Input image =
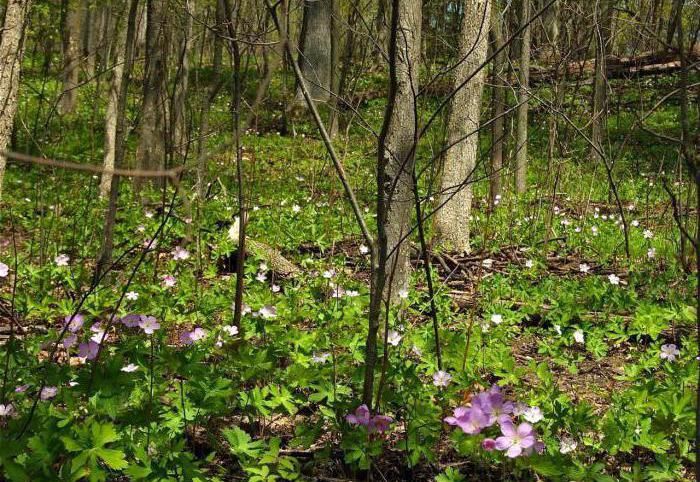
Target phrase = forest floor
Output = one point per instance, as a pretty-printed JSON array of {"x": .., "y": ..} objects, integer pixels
[{"x": 562, "y": 319}]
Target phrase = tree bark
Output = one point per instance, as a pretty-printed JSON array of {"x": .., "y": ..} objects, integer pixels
[
  {"x": 523, "y": 99},
  {"x": 397, "y": 147},
  {"x": 11, "y": 53},
  {"x": 150, "y": 153},
  {"x": 396, "y": 153},
  {"x": 600, "y": 97},
  {"x": 452, "y": 220},
  {"x": 72, "y": 48},
  {"x": 498, "y": 100},
  {"x": 315, "y": 49},
  {"x": 119, "y": 143},
  {"x": 179, "y": 119},
  {"x": 112, "y": 111}
]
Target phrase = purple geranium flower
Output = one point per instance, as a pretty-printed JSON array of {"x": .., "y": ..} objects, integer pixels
[
  {"x": 470, "y": 420},
  {"x": 48, "y": 393},
  {"x": 491, "y": 403},
  {"x": 515, "y": 439},
  {"x": 89, "y": 350},
  {"x": 6, "y": 410},
  {"x": 488, "y": 444},
  {"x": 131, "y": 321},
  {"x": 189, "y": 337},
  {"x": 360, "y": 417},
  {"x": 74, "y": 322},
  {"x": 378, "y": 423},
  {"x": 669, "y": 352},
  {"x": 148, "y": 324},
  {"x": 70, "y": 340}
]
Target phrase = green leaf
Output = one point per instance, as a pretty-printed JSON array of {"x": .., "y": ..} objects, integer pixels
[
  {"x": 115, "y": 459},
  {"x": 71, "y": 445}
]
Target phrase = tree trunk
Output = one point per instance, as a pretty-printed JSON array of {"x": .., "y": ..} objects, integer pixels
[
  {"x": 72, "y": 48},
  {"x": 119, "y": 143},
  {"x": 498, "y": 100},
  {"x": 112, "y": 111},
  {"x": 179, "y": 120},
  {"x": 397, "y": 148},
  {"x": 452, "y": 219},
  {"x": 11, "y": 53},
  {"x": 315, "y": 49},
  {"x": 396, "y": 152},
  {"x": 381, "y": 28},
  {"x": 150, "y": 153},
  {"x": 600, "y": 97},
  {"x": 523, "y": 99}
]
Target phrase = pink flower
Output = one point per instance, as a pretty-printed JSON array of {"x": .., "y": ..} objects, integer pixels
[
  {"x": 6, "y": 410},
  {"x": 148, "y": 324},
  {"x": 669, "y": 352},
  {"x": 470, "y": 420},
  {"x": 89, "y": 350},
  {"x": 360, "y": 417},
  {"x": 48, "y": 393},
  {"x": 180, "y": 254},
  {"x": 441, "y": 378},
  {"x": 515, "y": 440},
  {"x": 4, "y": 270},
  {"x": 74, "y": 322},
  {"x": 62, "y": 260},
  {"x": 131, "y": 321},
  {"x": 378, "y": 423},
  {"x": 169, "y": 281},
  {"x": 193, "y": 336},
  {"x": 70, "y": 340},
  {"x": 488, "y": 444}
]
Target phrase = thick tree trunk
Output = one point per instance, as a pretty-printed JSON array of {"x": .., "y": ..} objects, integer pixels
[
  {"x": 179, "y": 120},
  {"x": 523, "y": 99},
  {"x": 498, "y": 101},
  {"x": 72, "y": 48},
  {"x": 396, "y": 152},
  {"x": 11, "y": 52},
  {"x": 452, "y": 219},
  {"x": 315, "y": 49},
  {"x": 150, "y": 153},
  {"x": 397, "y": 148}
]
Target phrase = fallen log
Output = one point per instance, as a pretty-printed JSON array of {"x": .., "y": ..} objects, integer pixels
[{"x": 649, "y": 63}]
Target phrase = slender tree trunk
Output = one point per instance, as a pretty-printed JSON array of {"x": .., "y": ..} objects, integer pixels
[
  {"x": 452, "y": 220},
  {"x": 119, "y": 143},
  {"x": 112, "y": 111},
  {"x": 315, "y": 49},
  {"x": 600, "y": 97},
  {"x": 523, "y": 99},
  {"x": 90, "y": 36},
  {"x": 150, "y": 153},
  {"x": 381, "y": 28},
  {"x": 72, "y": 48},
  {"x": 179, "y": 119},
  {"x": 209, "y": 100},
  {"x": 498, "y": 100},
  {"x": 218, "y": 43},
  {"x": 11, "y": 53}
]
